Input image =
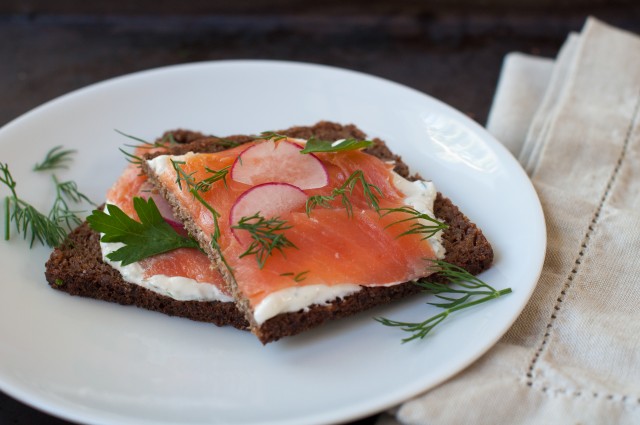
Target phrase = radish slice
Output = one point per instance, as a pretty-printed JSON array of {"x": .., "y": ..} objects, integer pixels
[
  {"x": 147, "y": 190},
  {"x": 269, "y": 199},
  {"x": 279, "y": 162}
]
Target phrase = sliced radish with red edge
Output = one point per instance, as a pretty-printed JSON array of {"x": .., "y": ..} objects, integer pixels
[
  {"x": 269, "y": 199},
  {"x": 281, "y": 162}
]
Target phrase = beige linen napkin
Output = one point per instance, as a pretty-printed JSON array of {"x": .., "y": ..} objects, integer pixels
[{"x": 573, "y": 356}]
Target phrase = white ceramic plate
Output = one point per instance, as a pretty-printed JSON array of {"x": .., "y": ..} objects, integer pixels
[{"x": 100, "y": 363}]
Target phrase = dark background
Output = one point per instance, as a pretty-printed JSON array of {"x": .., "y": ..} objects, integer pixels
[{"x": 452, "y": 50}]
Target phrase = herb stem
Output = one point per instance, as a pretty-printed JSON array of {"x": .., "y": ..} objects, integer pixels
[
  {"x": 195, "y": 188},
  {"x": 55, "y": 158},
  {"x": 317, "y": 145},
  {"x": 469, "y": 286},
  {"x": 344, "y": 191},
  {"x": 419, "y": 219},
  {"x": 267, "y": 235},
  {"x": 7, "y": 218}
]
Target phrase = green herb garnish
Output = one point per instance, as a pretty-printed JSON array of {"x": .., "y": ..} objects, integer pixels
[
  {"x": 49, "y": 229},
  {"x": 225, "y": 143},
  {"x": 301, "y": 276},
  {"x": 270, "y": 135},
  {"x": 468, "y": 286},
  {"x": 198, "y": 187},
  {"x": 296, "y": 277},
  {"x": 150, "y": 236},
  {"x": 344, "y": 191},
  {"x": 267, "y": 234},
  {"x": 55, "y": 158},
  {"x": 195, "y": 188},
  {"x": 418, "y": 226},
  {"x": 216, "y": 175},
  {"x": 27, "y": 219},
  {"x": 317, "y": 145},
  {"x": 61, "y": 211},
  {"x": 166, "y": 141}
]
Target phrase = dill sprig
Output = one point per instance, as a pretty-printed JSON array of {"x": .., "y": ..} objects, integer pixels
[
  {"x": 267, "y": 234},
  {"x": 196, "y": 188},
  {"x": 297, "y": 277},
  {"x": 57, "y": 157},
  {"x": 468, "y": 286},
  {"x": 166, "y": 141},
  {"x": 225, "y": 143},
  {"x": 27, "y": 219},
  {"x": 60, "y": 211},
  {"x": 271, "y": 135},
  {"x": 50, "y": 229},
  {"x": 344, "y": 191},
  {"x": 216, "y": 175},
  {"x": 317, "y": 145},
  {"x": 202, "y": 186},
  {"x": 418, "y": 226}
]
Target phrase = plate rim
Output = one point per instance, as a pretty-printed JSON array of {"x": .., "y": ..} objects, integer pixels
[{"x": 51, "y": 408}]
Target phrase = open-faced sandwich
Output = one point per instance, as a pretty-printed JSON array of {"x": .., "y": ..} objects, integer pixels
[{"x": 276, "y": 233}]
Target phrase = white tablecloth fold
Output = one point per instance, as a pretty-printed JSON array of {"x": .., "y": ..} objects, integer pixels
[{"x": 573, "y": 356}]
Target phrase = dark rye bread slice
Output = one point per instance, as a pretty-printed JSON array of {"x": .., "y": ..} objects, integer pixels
[
  {"x": 76, "y": 267},
  {"x": 465, "y": 244}
]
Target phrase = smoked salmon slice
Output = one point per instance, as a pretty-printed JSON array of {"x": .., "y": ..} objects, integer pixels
[
  {"x": 188, "y": 263},
  {"x": 353, "y": 227}
]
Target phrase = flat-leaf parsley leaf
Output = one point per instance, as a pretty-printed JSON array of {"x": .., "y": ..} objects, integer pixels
[{"x": 150, "y": 236}]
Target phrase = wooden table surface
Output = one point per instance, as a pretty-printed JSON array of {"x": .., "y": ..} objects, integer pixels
[{"x": 454, "y": 55}]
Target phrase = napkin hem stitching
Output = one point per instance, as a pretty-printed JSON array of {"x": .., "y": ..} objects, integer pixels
[{"x": 583, "y": 246}]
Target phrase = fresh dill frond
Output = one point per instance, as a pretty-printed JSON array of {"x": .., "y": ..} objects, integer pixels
[
  {"x": 69, "y": 189},
  {"x": 296, "y": 277},
  {"x": 418, "y": 226},
  {"x": 141, "y": 142},
  {"x": 216, "y": 175},
  {"x": 132, "y": 158},
  {"x": 344, "y": 191},
  {"x": 182, "y": 176},
  {"x": 50, "y": 229},
  {"x": 215, "y": 244},
  {"x": 165, "y": 142},
  {"x": 56, "y": 158},
  {"x": 226, "y": 143},
  {"x": 270, "y": 135},
  {"x": 60, "y": 211},
  {"x": 301, "y": 276},
  {"x": 267, "y": 234},
  {"x": 27, "y": 219},
  {"x": 202, "y": 186},
  {"x": 317, "y": 145},
  {"x": 196, "y": 188},
  {"x": 462, "y": 283}
]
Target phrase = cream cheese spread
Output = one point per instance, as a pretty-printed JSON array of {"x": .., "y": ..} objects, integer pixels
[
  {"x": 419, "y": 194},
  {"x": 299, "y": 298},
  {"x": 177, "y": 287}
]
